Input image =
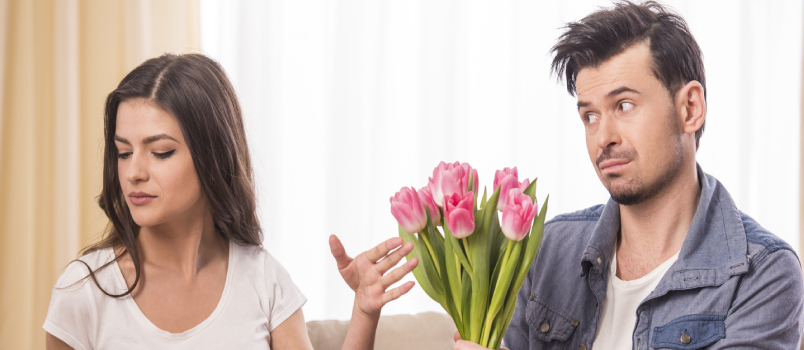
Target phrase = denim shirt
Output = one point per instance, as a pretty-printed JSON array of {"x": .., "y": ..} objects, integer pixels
[{"x": 734, "y": 285}]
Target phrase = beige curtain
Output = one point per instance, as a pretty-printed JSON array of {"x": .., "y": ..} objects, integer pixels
[{"x": 58, "y": 61}]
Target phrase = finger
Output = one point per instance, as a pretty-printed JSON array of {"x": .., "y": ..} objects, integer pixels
[
  {"x": 336, "y": 247},
  {"x": 383, "y": 248},
  {"x": 467, "y": 345},
  {"x": 397, "y": 292},
  {"x": 456, "y": 336},
  {"x": 391, "y": 260},
  {"x": 398, "y": 273}
]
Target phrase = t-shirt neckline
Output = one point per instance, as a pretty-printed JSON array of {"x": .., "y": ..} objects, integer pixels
[
  {"x": 657, "y": 272},
  {"x": 147, "y": 324}
]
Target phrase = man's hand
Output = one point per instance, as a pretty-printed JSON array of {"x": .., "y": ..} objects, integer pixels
[
  {"x": 366, "y": 273},
  {"x": 467, "y": 345}
]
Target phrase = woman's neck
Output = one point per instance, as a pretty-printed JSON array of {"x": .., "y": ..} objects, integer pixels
[{"x": 185, "y": 245}]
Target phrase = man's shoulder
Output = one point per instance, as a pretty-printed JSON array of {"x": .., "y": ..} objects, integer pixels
[
  {"x": 589, "y": 214},
  {"x": 759, "y": 239},
  {"x": 570, "y": 232}
]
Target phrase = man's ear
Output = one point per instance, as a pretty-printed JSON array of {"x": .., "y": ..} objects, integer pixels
[{"x": 691, "y": 106}]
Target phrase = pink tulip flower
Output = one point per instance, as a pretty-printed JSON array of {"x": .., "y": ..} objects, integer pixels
[
  {"x": 427, "y": 199},
  {"x": 408, "y": 210},
  {"x": 451, "y": 178},
  {"x": 507, "y": 178},
  {"x": 459, "y": 214},
  {"x": 518, "y": 215}
]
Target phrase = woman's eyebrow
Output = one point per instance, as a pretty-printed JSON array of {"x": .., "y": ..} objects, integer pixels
[
  {"x": 155, "y": 138},
  {"x": 147, "y": 140}
]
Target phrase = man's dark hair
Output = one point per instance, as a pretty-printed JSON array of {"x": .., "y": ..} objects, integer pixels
[{"x": 677, "y": 59}]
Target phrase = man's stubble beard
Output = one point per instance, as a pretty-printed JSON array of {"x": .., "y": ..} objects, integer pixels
[{"x": 636, "y": 191}]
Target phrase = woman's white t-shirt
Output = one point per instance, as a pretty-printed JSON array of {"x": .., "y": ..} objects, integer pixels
[{"x": 257, "y": 297}]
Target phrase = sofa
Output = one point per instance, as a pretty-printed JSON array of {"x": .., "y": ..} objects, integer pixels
[{"x": 424, "y": 331}]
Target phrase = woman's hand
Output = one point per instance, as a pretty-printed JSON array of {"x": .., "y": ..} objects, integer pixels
[{"x": 366, "y": 273}]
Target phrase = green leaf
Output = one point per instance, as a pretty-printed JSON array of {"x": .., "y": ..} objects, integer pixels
[
  {"x": 438, "y": 246},
  {"x": 531, "y": 190},
  {"x": 466, "y": 307},
  {"x": 431, "y": 272},
  {"x": 480, "y": 248},
  {"x": 418, "y": 272},
  {"x": 471, "y": 187},
  {"x": 532, "y": 247},
  {"x": 451, "y": 279},
  {"x": 483, "y": 201},
  {"x": 501, "y": 290},
  {"x": 457, "y": 249}
]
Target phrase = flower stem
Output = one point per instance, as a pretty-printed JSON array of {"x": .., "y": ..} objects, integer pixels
[
  {"x": 466, "y": 249},
  {"x": 430, "y": 249},
  {"x": 493, "y": 311}
]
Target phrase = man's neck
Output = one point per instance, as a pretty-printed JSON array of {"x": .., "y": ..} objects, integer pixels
[{"x": 654, "y": 230}]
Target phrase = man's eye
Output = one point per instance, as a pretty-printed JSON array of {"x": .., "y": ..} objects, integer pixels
[
  {"x": 590, "y": 118},
  {"x": 625, "y": 106}
]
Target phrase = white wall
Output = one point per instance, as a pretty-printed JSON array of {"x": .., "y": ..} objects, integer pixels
[{"x": 347, "y": 101}]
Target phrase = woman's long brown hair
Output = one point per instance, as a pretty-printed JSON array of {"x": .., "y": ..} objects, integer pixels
[{"x": 195, "y": 90}]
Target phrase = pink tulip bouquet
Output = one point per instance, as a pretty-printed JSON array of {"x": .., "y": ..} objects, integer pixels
[{"x": 476, "y": 266}]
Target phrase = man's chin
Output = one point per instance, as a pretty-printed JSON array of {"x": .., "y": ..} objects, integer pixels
[
  {"x": 629, "y": 194},
  {"x": 626, "y": 198}
]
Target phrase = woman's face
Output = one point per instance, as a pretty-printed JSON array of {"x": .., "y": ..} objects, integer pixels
[{"x": 154, "y": 165}]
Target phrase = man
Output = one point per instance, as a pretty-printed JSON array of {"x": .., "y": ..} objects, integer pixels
[{"x": 669, "y": 261}]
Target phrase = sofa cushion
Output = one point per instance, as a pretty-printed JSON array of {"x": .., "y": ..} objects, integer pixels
[{"x": 427, "y": 330}]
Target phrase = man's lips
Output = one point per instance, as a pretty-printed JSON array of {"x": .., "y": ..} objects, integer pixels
[
  {"x": 609, "y": 166},
  {"x": 140, "y": 198}
]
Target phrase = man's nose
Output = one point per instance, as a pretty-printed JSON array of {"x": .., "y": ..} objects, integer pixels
[{"x": 607, "y": 132}]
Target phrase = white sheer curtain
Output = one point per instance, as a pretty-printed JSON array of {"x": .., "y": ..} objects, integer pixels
[{"x": 347, "y": 101}]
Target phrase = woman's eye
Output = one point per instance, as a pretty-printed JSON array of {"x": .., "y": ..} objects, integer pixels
[
  {"x": 164, "y": 155},
  {"x": 124, "y": 155},
  {"x": 590, "y": 118},
  {"x": 625, "y": 106}
]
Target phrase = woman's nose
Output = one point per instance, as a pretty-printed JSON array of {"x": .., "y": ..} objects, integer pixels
[{"x": 137, "y": 170}]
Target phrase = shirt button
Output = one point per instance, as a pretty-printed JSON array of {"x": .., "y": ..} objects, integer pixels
[
  {"x": 574, "y": 323},
  {"x": 545, "y": 327},
  {"x": 582, "y": 347},
  {"x": 532, "y": 295},
  {"x": 685, "y": 338},
  {"x": 599, "y": 261}
]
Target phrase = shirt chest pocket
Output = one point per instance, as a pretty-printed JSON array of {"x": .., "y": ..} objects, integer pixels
[
  {"x": 689, "y": 332},
  {"x": 549, "y": 325}
]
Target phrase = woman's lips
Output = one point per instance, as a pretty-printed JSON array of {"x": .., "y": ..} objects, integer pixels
[{"x": 139, "y": 198}]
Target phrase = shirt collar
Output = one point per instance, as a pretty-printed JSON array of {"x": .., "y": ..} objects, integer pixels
[{"x": 715, "y": 247}]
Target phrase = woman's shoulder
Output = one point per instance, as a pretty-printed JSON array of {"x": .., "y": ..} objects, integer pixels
[
  {"x": 256, "y": 258},
  {"x": 279, "y": 296},
  {"x": 79, "y": 269}
]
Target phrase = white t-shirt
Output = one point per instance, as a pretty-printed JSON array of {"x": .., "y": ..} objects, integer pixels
[
  {"x": 257, "y": 297},
  {"x": 618, "y": 315}
]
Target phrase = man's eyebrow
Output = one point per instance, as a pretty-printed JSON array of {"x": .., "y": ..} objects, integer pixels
[
  {"x": 147, "y": 140},
  {"x": 611, "y": 94},
  {"x": 582, "y": 104},
  {"x": 620, "y": 90}
]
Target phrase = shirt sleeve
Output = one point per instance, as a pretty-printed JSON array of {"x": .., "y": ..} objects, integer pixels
[
  {"x": 285, "y": 296},
  {"x": 768, "y": 306},
  {"x": 71, "y": 314}
]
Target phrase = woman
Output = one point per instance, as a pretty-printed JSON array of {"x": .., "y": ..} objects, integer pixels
[{"x": 181, "y": 265}]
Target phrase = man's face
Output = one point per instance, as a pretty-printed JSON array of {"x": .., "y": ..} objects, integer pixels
[{"x": 632, "y": 132}]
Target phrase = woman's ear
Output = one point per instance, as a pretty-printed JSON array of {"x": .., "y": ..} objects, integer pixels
[{"x": 691, "y": 105}]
